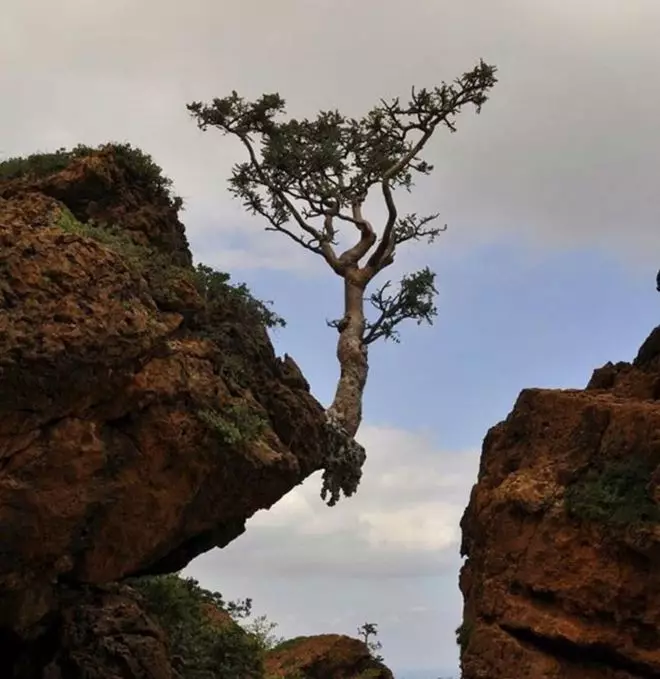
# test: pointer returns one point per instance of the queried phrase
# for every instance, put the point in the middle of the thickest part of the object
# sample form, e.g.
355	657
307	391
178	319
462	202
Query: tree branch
325	248
383	255
414	300
367	237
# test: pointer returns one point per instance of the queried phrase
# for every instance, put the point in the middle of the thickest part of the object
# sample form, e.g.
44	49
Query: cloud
563	156
402	522
387	555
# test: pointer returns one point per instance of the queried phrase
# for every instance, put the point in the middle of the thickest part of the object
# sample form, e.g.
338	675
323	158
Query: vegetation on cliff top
139	167
202	645
213	639
213	286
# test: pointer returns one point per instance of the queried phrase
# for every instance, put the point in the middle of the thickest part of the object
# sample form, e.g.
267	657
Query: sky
546	270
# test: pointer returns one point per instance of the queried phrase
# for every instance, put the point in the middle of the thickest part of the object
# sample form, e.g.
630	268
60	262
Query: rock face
562	533
102	634
326	656
138	429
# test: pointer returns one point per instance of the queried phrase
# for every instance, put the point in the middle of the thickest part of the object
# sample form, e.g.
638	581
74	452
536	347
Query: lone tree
308	177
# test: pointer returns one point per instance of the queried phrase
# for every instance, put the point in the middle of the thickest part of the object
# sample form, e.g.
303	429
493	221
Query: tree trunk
346	407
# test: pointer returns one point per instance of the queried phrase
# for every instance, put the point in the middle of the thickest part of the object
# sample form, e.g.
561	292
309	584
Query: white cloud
403	520
430	526
388	555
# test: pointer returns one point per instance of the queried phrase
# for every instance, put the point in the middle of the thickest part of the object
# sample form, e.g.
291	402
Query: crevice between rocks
582	654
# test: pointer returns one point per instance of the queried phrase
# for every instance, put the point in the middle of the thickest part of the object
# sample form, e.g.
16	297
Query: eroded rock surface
116	457
562	533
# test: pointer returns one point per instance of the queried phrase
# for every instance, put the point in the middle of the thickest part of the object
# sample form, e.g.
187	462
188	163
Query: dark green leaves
413	300
332	157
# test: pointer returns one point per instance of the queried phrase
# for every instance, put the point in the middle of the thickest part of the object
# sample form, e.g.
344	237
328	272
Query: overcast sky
547	269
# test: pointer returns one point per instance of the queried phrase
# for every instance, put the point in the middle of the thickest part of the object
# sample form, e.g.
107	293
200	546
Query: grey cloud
313	568
403	522
565	153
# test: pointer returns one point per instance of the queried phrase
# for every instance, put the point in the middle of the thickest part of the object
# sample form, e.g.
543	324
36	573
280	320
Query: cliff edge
144	416
562	533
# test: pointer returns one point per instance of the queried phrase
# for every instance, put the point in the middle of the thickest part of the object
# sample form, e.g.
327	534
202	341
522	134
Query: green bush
200	648
237	423
40	165
615	494
157	268
139	167
214	287
262	629
133	254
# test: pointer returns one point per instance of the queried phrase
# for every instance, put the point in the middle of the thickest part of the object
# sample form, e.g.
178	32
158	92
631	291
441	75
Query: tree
263	630
307	177
366	632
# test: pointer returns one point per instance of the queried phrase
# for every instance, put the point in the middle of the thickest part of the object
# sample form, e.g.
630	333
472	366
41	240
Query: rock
138	429
562	533
104	634
326	656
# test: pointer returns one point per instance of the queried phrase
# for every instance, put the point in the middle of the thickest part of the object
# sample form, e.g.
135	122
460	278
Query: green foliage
615	494
323	169
214	287
141	170
262	629
334	158
139	167
414	300
202	649
463	634
40	165
237	423
133	254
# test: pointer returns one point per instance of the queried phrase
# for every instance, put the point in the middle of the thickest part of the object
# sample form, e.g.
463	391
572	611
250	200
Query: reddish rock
326	656
107	465
558	594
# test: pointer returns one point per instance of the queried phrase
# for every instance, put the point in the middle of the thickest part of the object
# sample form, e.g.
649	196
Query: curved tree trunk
346	407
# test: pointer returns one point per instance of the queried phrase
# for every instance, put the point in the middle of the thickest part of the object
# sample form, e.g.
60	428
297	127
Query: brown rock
326	656
558	594
103	634
115	459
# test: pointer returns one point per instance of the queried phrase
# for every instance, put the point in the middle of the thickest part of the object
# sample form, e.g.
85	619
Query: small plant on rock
616	493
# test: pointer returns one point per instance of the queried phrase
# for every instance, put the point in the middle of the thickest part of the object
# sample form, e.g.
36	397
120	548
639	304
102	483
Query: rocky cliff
144	416
562	533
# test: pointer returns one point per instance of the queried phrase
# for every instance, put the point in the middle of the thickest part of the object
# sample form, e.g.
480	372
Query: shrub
139	167
214	287
262	629
617	493
40	165
133	254
237	423
157	268
200	648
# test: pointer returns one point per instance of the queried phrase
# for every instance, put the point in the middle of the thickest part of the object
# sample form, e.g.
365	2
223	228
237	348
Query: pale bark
346	408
